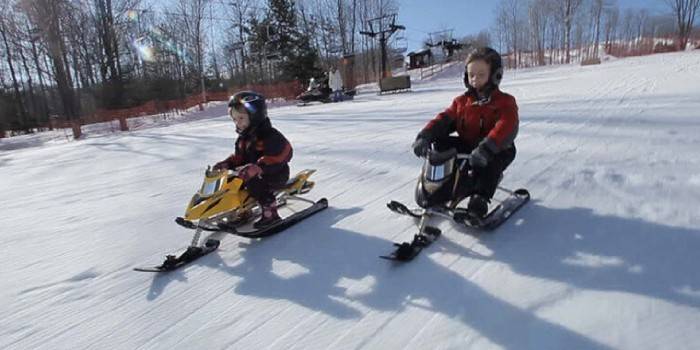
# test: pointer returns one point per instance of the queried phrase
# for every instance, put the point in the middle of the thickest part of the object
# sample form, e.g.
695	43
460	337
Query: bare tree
503	32
512	18
106	41
537	16
628	27
49	17
566	12
192	13
32	105
109	68
642	23
241	11
353	26
684	11
31	39
612	16
5	27
597	13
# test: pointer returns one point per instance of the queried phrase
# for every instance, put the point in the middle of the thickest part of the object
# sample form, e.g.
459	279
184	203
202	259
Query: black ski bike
442	184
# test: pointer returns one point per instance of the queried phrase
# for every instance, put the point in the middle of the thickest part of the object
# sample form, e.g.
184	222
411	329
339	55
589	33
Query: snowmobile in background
223	206
440	188
319	91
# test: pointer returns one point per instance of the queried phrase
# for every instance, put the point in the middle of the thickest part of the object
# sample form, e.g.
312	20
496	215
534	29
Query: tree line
539	32
68	58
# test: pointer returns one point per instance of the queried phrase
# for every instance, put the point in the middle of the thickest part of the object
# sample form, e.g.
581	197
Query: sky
466	17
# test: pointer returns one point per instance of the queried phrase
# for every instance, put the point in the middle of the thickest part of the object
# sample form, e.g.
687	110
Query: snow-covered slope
605	255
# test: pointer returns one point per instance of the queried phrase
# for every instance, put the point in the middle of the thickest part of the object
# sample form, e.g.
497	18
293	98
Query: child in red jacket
486	121
262	153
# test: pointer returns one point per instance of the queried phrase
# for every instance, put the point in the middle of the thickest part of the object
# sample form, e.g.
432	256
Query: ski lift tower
383	27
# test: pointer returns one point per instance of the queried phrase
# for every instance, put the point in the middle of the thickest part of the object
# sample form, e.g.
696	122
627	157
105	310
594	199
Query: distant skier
262	153
335	82
486	121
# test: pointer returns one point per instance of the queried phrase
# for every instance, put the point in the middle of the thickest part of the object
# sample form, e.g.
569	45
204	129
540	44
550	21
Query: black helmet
252	103
490	56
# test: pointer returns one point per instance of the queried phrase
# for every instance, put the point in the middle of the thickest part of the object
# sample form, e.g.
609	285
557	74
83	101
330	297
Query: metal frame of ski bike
427	234
219	233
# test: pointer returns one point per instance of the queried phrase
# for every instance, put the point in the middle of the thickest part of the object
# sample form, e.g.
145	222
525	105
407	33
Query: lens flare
144	50
156	40
132	15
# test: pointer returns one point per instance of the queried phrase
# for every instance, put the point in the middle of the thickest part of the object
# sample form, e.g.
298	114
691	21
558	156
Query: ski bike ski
435	195
223	207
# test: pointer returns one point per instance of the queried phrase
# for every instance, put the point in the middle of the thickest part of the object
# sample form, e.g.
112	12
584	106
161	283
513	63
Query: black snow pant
485	179
262	188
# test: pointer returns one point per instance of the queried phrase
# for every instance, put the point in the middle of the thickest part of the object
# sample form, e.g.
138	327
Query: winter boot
478	206
269	216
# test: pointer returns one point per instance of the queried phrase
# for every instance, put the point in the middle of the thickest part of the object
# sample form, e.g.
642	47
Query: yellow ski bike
223	206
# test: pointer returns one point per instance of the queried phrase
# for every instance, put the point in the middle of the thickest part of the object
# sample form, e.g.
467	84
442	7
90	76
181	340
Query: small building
420	59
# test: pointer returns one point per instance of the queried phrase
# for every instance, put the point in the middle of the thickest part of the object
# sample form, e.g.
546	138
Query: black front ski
191	254
406	251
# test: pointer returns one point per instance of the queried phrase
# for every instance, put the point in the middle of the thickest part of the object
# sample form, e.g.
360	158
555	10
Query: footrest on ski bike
463	216
278	226
401	208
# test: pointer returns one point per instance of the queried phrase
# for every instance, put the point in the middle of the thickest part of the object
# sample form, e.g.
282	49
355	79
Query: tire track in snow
632	84
595	109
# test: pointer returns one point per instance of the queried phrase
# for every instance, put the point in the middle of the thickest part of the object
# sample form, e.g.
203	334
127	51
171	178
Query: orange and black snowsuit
269	149
492	123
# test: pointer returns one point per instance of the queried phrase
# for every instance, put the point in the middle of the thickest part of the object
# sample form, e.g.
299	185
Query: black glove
480	156
420	147
221	165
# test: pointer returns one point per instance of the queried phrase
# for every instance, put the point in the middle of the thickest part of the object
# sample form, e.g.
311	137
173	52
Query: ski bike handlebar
432	154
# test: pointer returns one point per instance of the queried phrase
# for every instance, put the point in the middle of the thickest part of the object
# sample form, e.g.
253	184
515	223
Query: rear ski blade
280	225
501	213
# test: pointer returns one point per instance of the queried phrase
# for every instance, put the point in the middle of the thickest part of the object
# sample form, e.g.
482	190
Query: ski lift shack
420	59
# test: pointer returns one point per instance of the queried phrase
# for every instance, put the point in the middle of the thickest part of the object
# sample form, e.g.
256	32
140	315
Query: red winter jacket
494	121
